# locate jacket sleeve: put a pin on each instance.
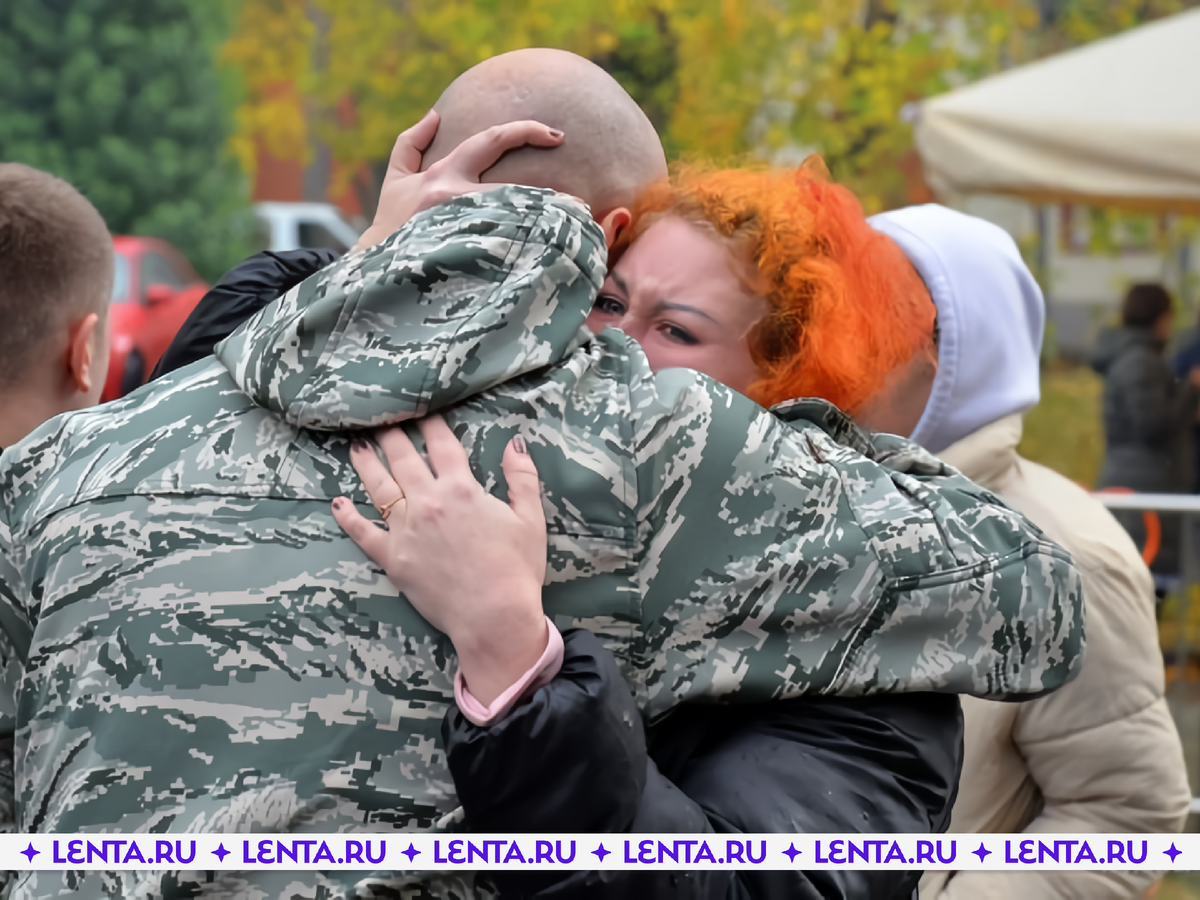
(241, 292)
(791, 554)
(574, 758)
(1104, 751)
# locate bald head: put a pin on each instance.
(611, 150)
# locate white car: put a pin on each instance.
(292, 226)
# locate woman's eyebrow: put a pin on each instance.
(662, 305)
(683, 307)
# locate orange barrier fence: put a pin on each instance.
(1151, 522)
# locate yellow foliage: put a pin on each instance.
(741, 76)
(392, 60)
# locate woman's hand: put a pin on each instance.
(407, 190)
(470, 563)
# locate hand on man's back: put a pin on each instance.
(407, 190)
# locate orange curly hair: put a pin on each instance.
(847, 308)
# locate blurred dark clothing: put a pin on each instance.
(241, 292)
(1149, 417)
(1187, 358)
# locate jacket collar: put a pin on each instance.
(988, 456)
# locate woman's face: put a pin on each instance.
(675, 293)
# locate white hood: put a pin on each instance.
(990, 312)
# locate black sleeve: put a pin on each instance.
(241, 292)
(574, 758)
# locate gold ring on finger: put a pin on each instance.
(386, 509)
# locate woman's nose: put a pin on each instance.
(630, 325)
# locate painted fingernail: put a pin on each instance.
(337, 504)
(519, 444)
(555, 133)
(358, 444)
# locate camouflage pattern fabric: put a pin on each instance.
(192, 644)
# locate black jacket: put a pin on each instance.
(240, 293)
(1148, 415)
(1149, 418)
(576, 757)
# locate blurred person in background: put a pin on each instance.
(1149, 414)
(1102, 754)
(56, 275)
(1186, 365)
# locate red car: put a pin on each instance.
(154, 291)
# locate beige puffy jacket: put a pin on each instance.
(1101, 754)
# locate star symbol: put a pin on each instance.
(29, 853)
(600, 853)
(412, 852)
(220, 853)
(1172, 852)
(791, 852)
(983, 852)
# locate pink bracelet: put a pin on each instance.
(542, 672)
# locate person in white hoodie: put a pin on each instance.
(1102, 754)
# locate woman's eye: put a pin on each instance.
(677, 334)
(609, 306)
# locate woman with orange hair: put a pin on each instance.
(770, 282)
(774, 284)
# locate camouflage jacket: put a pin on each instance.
(192, 644)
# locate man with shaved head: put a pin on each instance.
(612, 151)
(202, 648)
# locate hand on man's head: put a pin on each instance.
(407, 190)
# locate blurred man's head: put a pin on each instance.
(1147, 306)
(982, 364)
(611, 150)
(56, 273)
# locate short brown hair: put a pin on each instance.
(56, 261)
(1144, 304)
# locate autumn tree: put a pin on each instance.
(350, 75)
(721, 79)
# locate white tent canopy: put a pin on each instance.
(1114, 123)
